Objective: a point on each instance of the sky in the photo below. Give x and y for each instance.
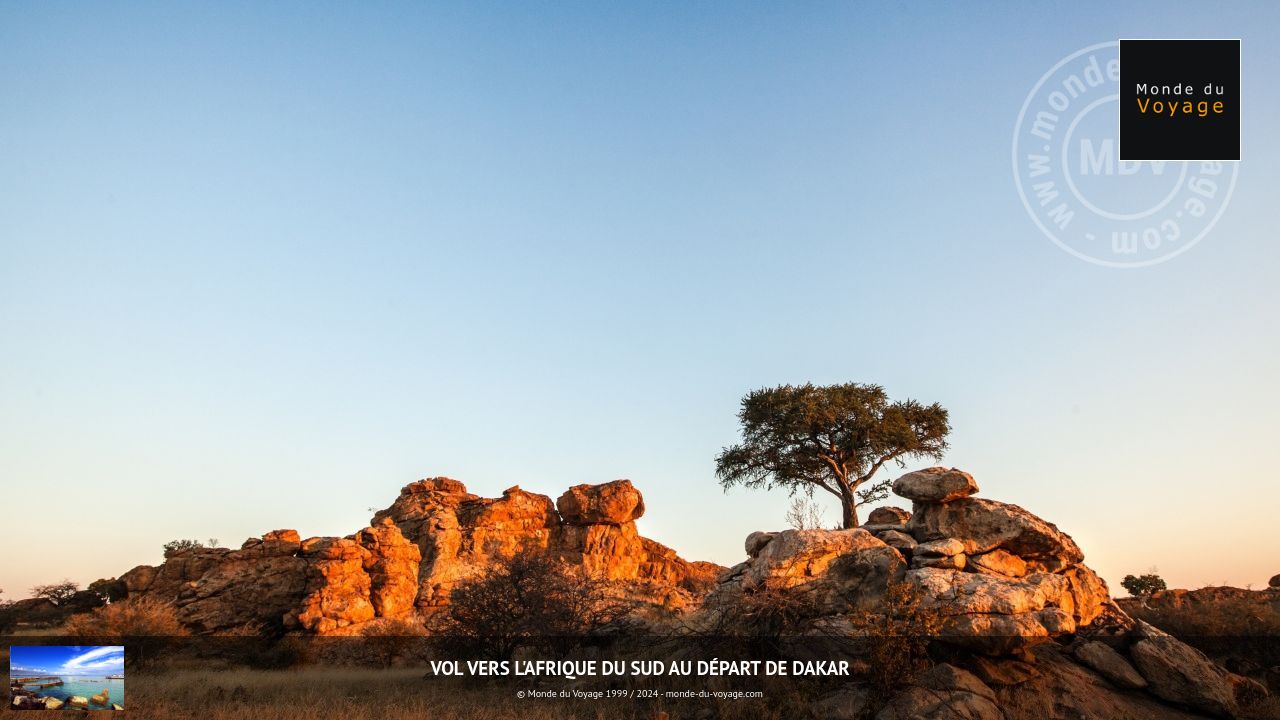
(67, 660)
(263, 264)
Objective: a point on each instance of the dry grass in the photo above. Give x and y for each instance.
(141, 617)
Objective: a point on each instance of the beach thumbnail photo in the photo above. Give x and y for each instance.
(67, 677)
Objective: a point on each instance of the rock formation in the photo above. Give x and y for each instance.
(434, 536)
(1029, 630)
(1012, 597)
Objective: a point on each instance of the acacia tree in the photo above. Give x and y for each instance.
(831, 437)
(58, 593)
(1142, 586)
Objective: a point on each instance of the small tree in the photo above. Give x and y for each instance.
(833, 437)
(1142, 586)
(177, 546)
(58, 593)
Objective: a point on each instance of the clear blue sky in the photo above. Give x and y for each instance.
(263, 264)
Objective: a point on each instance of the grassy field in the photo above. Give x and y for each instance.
(321, 693)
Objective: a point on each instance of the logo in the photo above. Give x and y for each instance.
(1082, 196)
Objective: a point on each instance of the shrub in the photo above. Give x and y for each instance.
(532, 600)
(177, 546)
(901, 633)
(138, 617)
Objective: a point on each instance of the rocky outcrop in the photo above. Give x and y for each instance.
(392, 565)
(1274, 581)
(1003, 587)
(266, 569)
(592, 526)
(434, 536)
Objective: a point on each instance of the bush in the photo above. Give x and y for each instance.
(177, 546)
(532, 600)
(139, 617)
(901, 633)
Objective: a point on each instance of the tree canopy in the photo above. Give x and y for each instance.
(831, 437)
(1142, 586)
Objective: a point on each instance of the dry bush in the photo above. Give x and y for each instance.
(394, 641)
(147, 626)
(1243, 633)
(530, 601)
(1234, 617)
(139, 617)
(900, 633)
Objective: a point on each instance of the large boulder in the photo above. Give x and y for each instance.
(996, 614)
(1180, 674)
(935, 485)
(888, 516)
(612, 503)
(944, 692)
(839, 570)
(986, 525)
(139, 579)
(1274, 581)
(1108, 663)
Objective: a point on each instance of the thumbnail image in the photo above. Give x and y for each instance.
(67, 677)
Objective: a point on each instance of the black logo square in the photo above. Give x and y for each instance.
(1179, 99)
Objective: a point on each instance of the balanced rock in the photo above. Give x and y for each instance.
(1274, 581)
(612, 503)
(935, 485)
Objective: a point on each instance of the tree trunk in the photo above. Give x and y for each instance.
(849, 507)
